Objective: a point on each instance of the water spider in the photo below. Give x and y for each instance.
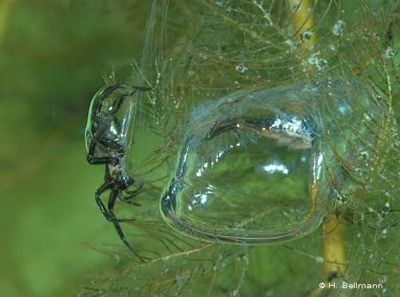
(108, 137)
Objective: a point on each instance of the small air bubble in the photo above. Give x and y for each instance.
(117, 258)
(358, 171)
(235, 293)
(364, 155)
(338, 28)
(181, 281)
(241, 68)
(383, 279)
(389, 52)
(371, 256)
(367, 117)
(319, 63)
(307, 35)
(292, 45)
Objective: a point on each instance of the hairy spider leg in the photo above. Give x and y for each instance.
(115, 188)
(104, 187)
(99, 160)
(113, 196)
(131, 194)
(115, 192)
(110, 216)
(117, 104)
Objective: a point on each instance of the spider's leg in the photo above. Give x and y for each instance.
(111, 203)
(95, 160)
(117, 104)
(105, 160)
(131, 202)
(132, 194)
(115, 144)
(109, 211)
(99, 137)
(100, 160)
(115, 221)
(111, 144)
(125, 241)
(104, 187)
(128, 199)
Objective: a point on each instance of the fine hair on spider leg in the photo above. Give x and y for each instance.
(108, 212)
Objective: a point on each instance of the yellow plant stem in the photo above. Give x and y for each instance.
(333, 242)
(303, 22)
(5, 6)
(333, 247)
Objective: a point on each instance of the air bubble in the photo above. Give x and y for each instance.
(319, 63)
(386, 208)
(307, 35)
(292, 45)
(253, 166)
(338, 28)
(383, 279)
(389, 52)
(241, 68)
(261, 149)
(181, 281)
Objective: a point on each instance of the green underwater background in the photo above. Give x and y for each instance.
(53, 57)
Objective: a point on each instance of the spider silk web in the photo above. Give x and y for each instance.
(200, 50)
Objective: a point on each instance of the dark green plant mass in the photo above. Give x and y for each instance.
(219, 71)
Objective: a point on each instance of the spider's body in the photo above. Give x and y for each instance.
(108, 138)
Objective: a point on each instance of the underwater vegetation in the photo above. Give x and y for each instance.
(272, 122)
(250, 148)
